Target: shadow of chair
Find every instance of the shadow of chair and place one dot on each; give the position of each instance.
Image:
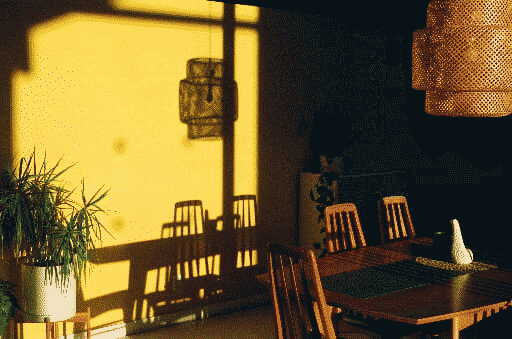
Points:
(245, 223)
(343, 229)
(141, 299)
(395, 219)
(181, 277)
(185, 273)
(243, 253)
(192, 275)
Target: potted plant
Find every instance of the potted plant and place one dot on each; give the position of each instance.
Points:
(325, 192)
(50, 233)
(8, 304)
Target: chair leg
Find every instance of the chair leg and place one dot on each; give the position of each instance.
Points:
(49, 334)
(88, 323)
(11, 328)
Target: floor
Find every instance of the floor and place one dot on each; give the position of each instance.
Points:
(252, 323)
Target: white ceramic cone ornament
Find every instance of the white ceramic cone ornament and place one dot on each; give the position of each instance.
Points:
(458, 252)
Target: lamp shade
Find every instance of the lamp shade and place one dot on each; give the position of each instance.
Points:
(202, 96)
(463, 58)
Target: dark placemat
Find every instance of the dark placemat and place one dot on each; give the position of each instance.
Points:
(378, 280)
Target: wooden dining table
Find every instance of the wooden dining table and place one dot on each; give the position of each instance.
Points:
(461, 300)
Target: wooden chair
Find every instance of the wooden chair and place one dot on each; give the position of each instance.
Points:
(395, 219)
(80, 317)
(343, 229)
(52, 327)
(300, 308)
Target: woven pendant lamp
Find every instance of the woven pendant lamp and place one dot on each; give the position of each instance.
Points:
(463, 58)
(202, 98)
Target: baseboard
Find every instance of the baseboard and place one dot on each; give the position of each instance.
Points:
(120, 330)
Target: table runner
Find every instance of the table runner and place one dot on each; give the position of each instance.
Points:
(472, 267)
(383, 279)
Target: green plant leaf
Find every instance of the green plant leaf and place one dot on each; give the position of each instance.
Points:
(42, 224)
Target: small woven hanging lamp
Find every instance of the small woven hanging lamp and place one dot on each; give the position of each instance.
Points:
(463, 58)
(202, 98)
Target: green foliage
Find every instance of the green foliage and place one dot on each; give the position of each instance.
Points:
(41, 223)
(8, 304)
(324, 192)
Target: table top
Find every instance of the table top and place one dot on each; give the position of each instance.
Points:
(432, 302)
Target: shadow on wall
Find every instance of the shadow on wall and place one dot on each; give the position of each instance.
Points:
(196, 262)
(16, 19)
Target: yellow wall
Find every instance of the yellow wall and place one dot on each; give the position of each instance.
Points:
(102, 91)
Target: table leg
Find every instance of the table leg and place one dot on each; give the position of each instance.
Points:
(455, 328)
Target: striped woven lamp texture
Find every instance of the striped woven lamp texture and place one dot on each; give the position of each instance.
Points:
(463, 58)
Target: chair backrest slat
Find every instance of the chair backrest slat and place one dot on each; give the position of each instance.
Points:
(342, 229)
(350, 230)
(394, 222)
(400, 209)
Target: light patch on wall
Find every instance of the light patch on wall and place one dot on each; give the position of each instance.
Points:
(246, 258)
(106, 94)
(146, 309)
(104, 86)
(246, 127)
(214, 262)
(161, 278)
(106, 317)
(151, 277)
(135, 308)
(93, 289)
(247, 14)
(194, 268)
(195, 8)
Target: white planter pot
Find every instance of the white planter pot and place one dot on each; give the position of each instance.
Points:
(309, 226)
(42, 300)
